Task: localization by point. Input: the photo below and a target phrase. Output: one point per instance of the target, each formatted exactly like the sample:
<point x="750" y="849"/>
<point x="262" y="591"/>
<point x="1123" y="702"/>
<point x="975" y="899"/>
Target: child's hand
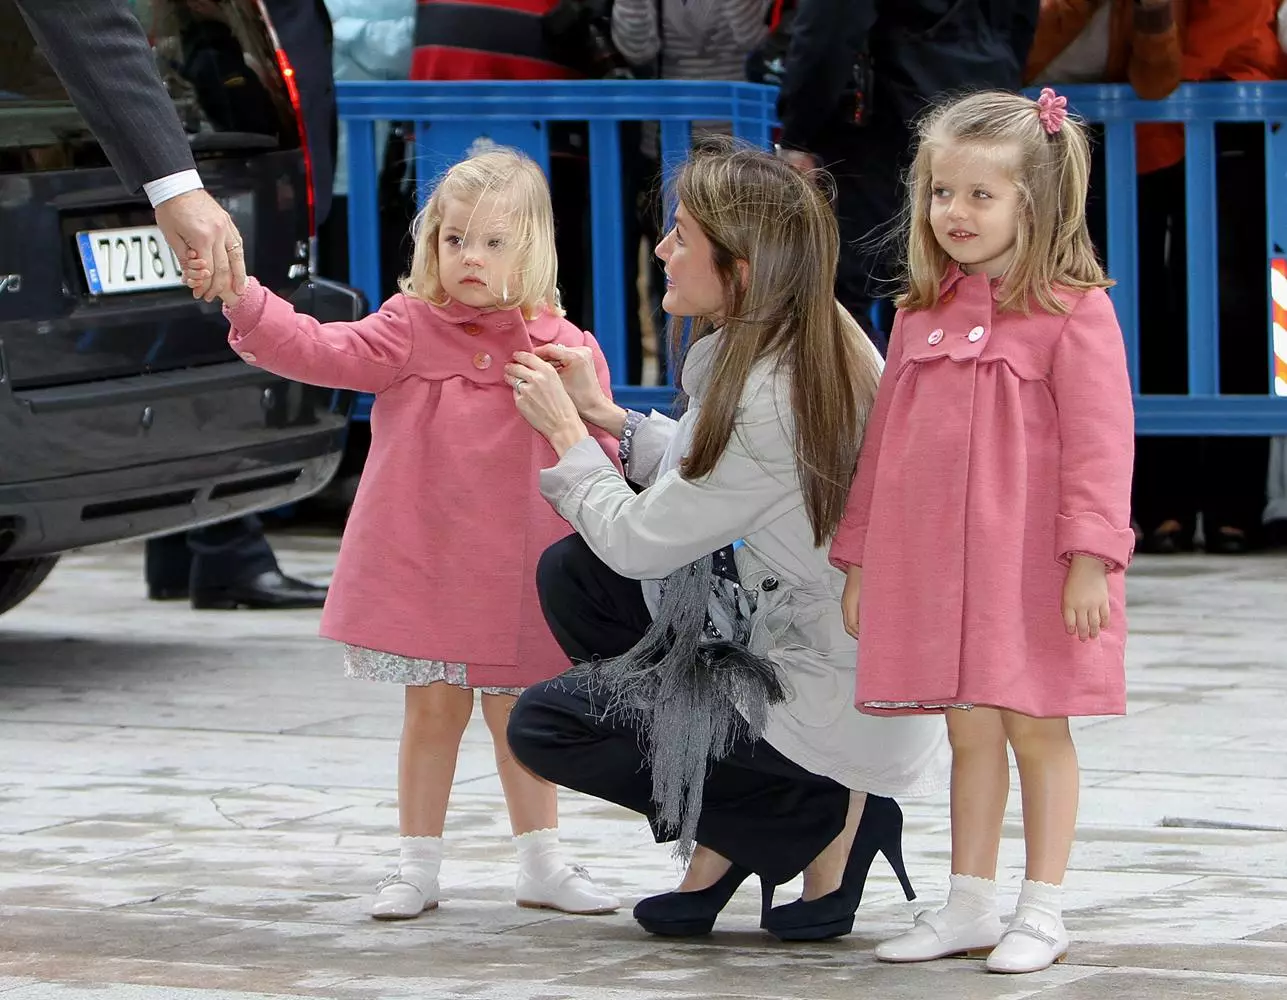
<point x="849" y="599"/>
<point x="197" y="274"/>
<point x="1085" y="602"/>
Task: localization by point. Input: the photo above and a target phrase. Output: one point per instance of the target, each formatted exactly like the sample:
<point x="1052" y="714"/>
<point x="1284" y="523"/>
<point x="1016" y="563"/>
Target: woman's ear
<point x="744" y="272"/>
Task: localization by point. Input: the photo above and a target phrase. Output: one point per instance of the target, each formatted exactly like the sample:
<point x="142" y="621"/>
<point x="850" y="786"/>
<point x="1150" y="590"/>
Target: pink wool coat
<point x="439" y="555"/>
<point x="1000" y="445"/>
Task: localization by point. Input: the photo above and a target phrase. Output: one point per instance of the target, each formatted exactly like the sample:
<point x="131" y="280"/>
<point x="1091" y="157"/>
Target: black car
<point x="123" y="412"/>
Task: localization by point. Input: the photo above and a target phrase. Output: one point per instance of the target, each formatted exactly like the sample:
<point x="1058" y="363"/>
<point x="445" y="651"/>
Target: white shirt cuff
<point x="171" y="186"/>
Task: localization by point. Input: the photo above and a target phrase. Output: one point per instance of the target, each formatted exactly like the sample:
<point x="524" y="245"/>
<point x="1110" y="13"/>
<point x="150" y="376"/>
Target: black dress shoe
<point x="1228" y="541"/>
<point x="1276" y="534"/>
<point x="273" y="590"/>
<point x="1169" y="538"/>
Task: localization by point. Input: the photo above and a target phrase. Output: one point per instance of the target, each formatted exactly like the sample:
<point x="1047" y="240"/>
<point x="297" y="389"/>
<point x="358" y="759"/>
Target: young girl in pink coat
<point x="434" y="587"/>
<point x="987" y="533"/>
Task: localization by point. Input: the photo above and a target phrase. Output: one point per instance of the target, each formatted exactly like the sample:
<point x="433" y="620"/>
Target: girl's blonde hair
<point x="1051" y="171"/>
<point x="754" y="208"/>
<point x="517" y="181"/>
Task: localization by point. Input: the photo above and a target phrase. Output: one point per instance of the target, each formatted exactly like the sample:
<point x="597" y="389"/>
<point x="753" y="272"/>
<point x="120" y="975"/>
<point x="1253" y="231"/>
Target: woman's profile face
<point x="693" y="286"/>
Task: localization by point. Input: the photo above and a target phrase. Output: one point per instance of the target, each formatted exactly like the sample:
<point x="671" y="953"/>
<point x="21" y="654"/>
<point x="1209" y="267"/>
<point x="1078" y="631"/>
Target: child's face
<point x="693" y="286"/>
<point x="476" y="253"/>
<point x="974" y="207"/>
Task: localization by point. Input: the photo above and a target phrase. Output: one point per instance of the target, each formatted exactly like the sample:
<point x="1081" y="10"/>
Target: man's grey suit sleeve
<point x="101" y="54"/>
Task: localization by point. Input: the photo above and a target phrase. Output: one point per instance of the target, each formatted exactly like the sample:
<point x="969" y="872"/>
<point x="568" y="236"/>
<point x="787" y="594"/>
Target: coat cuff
<point x="651" y="439"/>
<point x="846" y="548"/>
<point x="1091" y="534"/>
<point x="564" y="485"/>
<point x="248" y="311"/>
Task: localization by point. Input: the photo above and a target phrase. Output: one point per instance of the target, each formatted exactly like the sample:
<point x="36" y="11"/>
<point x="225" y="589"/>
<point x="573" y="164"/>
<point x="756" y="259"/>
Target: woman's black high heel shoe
<point x="689" y="914"/>
<point x="880" y="831"/>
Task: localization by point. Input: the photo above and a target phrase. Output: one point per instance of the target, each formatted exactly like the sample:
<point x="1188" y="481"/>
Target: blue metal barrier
<point x="448" y="117"/>
<point x="1199" y="106"/>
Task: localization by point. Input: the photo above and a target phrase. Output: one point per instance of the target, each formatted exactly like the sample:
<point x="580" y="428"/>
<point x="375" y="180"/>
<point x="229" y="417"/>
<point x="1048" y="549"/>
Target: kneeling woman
<point x="716" y="693"/>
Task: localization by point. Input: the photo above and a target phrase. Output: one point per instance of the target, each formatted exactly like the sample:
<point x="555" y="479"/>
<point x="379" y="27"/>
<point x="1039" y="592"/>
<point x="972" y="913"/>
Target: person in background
<point x="231" y="564"/>
<point x="1178" y="478"/>
<point x="858" y="73"/>
<point x="1108" y="41"/>
<point x="690" y="41"/>
<point x="672" y="40"/>
<point x="305" y="32"/>
<point x="104" y="60"/>
<point x="372" y="41"/>
<point x="517" y="40"/>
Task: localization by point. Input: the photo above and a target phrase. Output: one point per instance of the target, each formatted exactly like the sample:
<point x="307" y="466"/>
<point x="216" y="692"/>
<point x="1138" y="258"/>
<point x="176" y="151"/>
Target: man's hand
<point x="198" y="229"/>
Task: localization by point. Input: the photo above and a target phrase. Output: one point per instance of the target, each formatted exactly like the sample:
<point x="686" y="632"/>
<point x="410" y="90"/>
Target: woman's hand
<point x="575" y="366"/>
<point x="543" y="401"/>
<point x="849" y="600"/>
<point x="1085" y="600"/>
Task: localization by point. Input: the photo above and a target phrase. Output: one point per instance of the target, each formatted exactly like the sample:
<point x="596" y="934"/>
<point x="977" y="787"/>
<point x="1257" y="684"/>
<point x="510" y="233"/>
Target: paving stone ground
<point x="194" y="806"/>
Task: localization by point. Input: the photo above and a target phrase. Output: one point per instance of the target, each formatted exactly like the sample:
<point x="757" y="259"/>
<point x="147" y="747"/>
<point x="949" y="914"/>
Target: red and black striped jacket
<point x="484" y="40"/>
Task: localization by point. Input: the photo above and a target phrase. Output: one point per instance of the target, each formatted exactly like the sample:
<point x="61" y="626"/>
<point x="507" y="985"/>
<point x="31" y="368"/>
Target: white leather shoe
<point x="1033" y="941"/>
<point x="936" y="935"/>
<point x="399" y="898"/>
<point x="570" y="890"/>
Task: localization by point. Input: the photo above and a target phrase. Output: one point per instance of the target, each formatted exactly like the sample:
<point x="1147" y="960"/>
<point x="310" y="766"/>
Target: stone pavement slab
<point x="194" y="806"/>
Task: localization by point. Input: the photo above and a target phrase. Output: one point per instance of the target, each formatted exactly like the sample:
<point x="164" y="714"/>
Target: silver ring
<point x="519" y="384"/>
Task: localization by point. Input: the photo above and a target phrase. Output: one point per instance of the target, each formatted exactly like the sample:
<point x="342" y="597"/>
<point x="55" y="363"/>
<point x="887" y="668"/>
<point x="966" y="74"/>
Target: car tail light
<point x="288" y="74"/>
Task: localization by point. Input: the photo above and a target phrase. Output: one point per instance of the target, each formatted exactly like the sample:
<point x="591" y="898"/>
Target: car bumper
<point x="54" y="515"/>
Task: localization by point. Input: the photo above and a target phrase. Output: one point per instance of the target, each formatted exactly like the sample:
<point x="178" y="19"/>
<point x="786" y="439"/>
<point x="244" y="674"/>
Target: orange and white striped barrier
<point x="1278" y="296"/>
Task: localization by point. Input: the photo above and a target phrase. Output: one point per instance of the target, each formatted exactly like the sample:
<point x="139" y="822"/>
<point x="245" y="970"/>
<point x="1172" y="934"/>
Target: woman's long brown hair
<point x="754" y="208"/>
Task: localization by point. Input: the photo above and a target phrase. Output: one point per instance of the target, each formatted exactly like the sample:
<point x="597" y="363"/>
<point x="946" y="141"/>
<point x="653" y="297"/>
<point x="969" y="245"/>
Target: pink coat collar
<point x="955" y="276"/>
<point x="460" y="340"/>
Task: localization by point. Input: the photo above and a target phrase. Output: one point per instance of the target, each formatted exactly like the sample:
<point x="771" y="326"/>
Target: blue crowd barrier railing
<point x="449" y="117"/>
<point x="1200" y="106"/>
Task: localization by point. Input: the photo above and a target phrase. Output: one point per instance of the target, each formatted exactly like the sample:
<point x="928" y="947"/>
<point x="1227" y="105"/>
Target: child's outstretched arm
<point x="851" y="536"/>
<point x="366" y="356"/>
<point x="1092" y="392"/>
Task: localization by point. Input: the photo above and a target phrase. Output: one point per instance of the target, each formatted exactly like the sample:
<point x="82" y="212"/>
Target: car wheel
<point x="19" y="579"/>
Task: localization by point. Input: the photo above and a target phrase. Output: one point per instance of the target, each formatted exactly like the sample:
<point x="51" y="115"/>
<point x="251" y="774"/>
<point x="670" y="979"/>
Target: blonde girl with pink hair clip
<point x="987" y="532"/>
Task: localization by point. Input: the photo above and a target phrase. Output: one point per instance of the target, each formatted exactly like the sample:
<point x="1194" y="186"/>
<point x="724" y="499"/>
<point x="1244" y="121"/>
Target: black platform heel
<point x="880" y="831"/>
<point x="689" y="914"/>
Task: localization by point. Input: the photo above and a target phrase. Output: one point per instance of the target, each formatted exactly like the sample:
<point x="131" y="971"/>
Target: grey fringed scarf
<point x="690" y="686"/>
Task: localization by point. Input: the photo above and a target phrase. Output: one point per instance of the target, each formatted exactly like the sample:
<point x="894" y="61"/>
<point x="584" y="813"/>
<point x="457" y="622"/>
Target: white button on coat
<point x="976" y="334"/>
<point x="936" y="337"/>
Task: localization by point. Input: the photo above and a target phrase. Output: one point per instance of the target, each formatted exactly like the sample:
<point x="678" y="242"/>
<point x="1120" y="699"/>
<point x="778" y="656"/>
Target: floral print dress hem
<point x="376" y="665"/>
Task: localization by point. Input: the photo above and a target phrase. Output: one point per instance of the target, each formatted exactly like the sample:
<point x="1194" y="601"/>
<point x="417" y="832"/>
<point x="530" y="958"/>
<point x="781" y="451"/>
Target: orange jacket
<point x="1207" y="40"/>
<point x="1222" y="40"/>
<point x="1143" y="43"/>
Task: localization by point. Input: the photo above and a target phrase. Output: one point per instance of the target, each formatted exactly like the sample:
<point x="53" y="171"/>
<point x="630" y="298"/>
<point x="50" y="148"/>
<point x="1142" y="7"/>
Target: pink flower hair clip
<point x="1052" y="109"/>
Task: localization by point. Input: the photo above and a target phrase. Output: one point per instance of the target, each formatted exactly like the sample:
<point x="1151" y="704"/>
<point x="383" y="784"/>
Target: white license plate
<point x="127" y="260"/>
